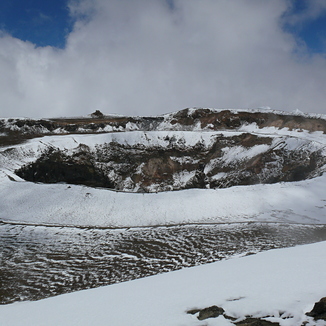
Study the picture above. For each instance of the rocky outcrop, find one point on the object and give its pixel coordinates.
(319, 310)
(243, 159)
(318, 313)
(18, 130)
(215, 311)
(228, 119)
(210, 312)
(255, 322)
(55, 166)
(205, 313)
(227, 159)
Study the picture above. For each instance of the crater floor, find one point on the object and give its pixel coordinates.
(37, 261)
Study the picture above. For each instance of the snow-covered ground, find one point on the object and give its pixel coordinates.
(62, 204)
(283, 284)
(297, 202)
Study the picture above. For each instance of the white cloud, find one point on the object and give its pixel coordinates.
(144, 57)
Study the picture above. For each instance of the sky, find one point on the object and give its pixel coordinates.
(141, 57)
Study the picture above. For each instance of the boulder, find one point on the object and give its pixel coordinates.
(210, 312)
(319, 310)
(97, 114)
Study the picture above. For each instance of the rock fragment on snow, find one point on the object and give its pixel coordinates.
(319, 310)
(210, 312)
(255, 322)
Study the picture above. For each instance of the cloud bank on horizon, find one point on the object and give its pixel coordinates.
(152, 57)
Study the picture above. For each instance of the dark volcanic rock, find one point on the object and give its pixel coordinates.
(54, 166)
(319, 310)
(255, 322)
(227, 119)
(18, 130)
(160, 168)
(97, 114)
(210, 312)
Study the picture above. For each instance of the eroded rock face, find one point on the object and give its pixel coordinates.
(240, 158)
(55, 166)
(243, 159)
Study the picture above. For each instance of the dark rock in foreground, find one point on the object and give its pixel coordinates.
(210, 312)
(255, 322)
(318, 313)
(319, 310)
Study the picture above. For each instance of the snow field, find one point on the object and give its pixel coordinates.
(62, 204)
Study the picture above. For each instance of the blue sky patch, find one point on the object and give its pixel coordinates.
(40, 22)
(48, 23)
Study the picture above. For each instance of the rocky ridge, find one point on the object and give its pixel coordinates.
(192, 148)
